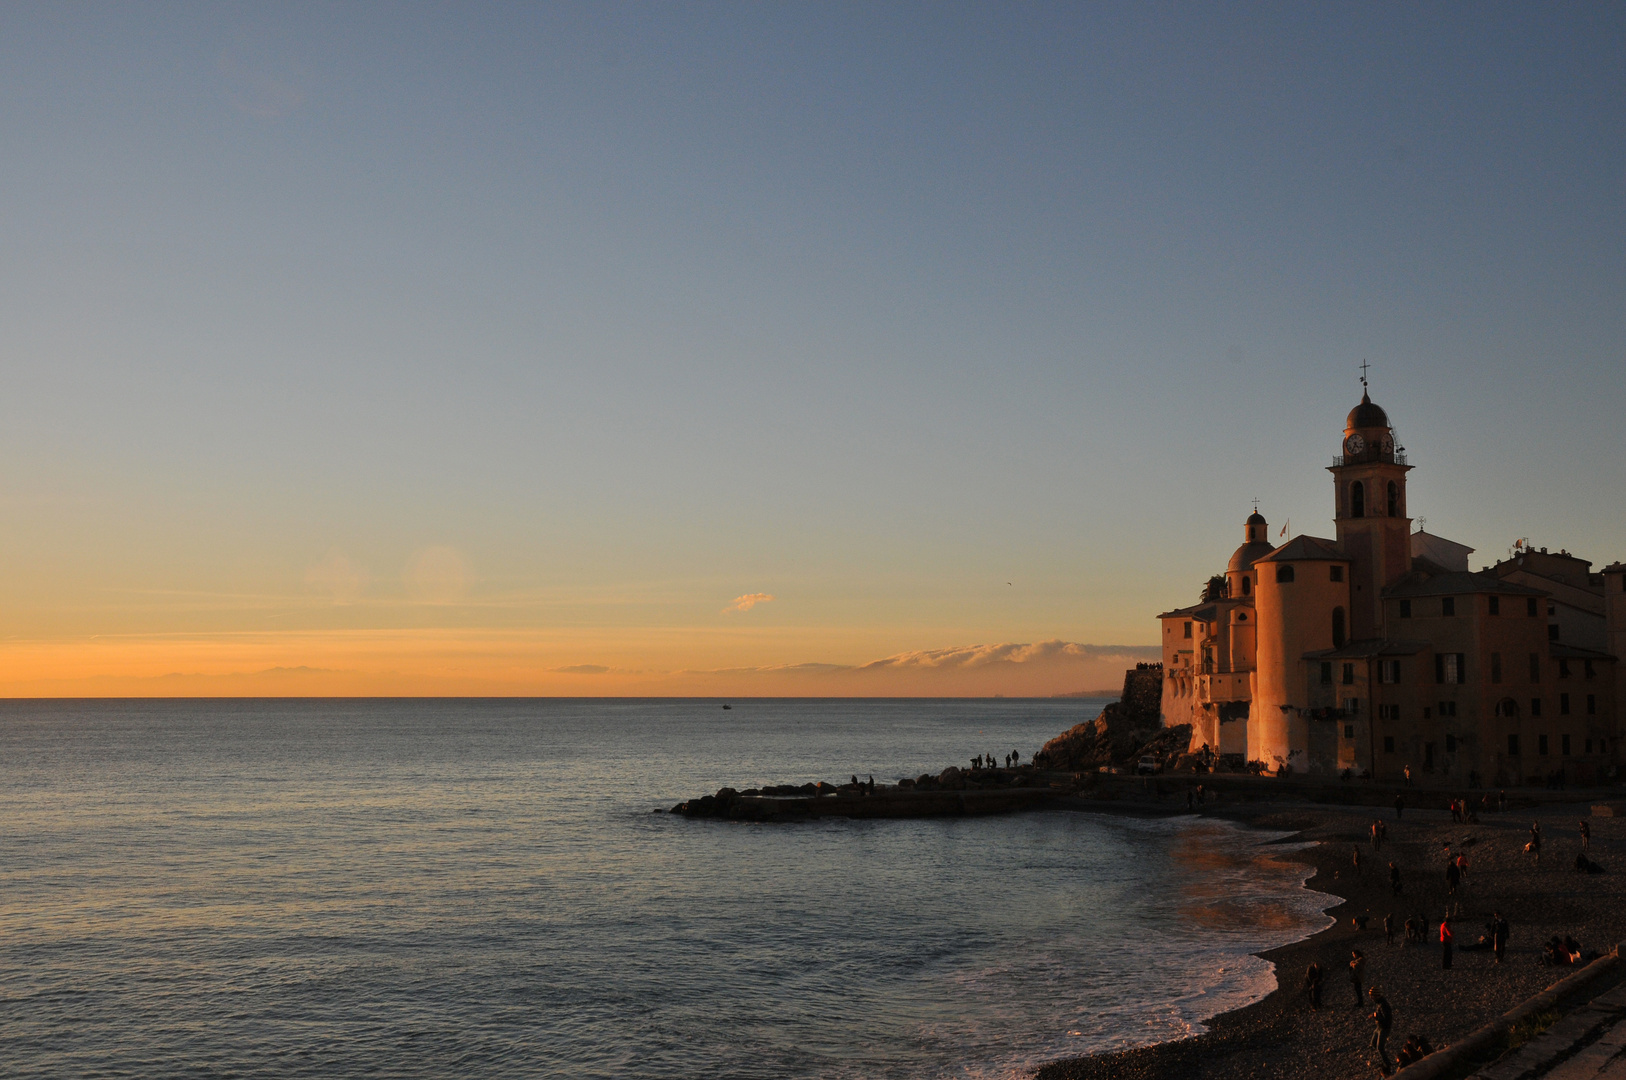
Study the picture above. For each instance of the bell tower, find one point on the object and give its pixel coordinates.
(1369, 482)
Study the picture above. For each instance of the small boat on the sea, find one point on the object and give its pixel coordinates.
(728, 706)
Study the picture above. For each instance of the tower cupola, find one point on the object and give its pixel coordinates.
(1239, 574)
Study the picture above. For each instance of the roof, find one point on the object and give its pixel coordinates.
(1180, 612)
(1366, 415)
(1368, 648)
(1455, 583)
(1558, 650)
(1256, 518)
(1614, 568)
(1306, 548)
(1245, 556)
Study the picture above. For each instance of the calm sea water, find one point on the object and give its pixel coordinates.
(479, 888)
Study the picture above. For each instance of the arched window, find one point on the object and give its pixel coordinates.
(1394, 500)
(1247, 585)
(1357, 499)
(1338, 628)
(1284, 573)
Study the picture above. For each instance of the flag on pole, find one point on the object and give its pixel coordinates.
(1285, 524)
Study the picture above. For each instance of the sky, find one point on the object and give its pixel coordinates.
(765, 348)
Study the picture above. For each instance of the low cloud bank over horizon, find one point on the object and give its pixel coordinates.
(1010, 669)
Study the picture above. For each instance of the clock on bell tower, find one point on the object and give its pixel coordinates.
(1369, 482)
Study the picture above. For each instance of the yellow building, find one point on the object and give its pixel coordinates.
(1379, 650)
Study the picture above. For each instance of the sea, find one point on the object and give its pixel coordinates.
(494, 888)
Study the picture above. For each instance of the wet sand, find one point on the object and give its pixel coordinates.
(1281, 1036)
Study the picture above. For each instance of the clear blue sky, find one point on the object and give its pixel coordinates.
(615, 313)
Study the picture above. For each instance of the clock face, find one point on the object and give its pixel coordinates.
(1388, 445)
(1354, 445)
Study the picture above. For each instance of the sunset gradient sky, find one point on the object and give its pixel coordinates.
(764, 348)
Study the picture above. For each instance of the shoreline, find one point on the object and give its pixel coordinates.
(1279, 1035)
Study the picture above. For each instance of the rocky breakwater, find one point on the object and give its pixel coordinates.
(950, 793)
(1127, 731)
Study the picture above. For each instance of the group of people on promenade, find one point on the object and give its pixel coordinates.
(1559, 950)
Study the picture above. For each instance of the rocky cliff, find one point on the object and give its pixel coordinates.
(1125, 730)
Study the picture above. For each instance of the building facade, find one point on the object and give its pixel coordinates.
(1379, 650)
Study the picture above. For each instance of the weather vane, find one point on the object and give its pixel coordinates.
(1364, 366)
(1256, 506)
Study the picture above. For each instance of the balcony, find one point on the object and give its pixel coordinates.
(1398, 458)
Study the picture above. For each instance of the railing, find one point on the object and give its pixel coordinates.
(1397, 457)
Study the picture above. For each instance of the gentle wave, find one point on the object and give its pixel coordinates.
(419, 889)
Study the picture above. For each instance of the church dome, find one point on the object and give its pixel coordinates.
(1248, 554)
(1366, 415)
(1256, 518)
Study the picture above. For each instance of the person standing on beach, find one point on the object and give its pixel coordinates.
(1400, 807)
(1394, 879)
(1586, 835)
(1383, 1018)
(1389, 928)
(1453, 878)
(1357, 973)
(1357, 862)
(1534, 846)
(1312, 984)
(1445, 942)
(1499, 932)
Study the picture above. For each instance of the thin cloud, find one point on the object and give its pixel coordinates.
(581, 669)
(748, 601)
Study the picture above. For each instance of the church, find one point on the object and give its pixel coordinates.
(1379, 652)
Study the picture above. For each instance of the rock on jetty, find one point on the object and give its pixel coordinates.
(950, 793)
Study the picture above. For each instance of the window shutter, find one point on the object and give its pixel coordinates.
(1439, 667)
(1462, 667)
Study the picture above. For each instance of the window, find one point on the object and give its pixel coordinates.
(1530, 607)
(1394, 500)
(1535, 706)
(1541, 745)
(1513, 745)
(1552, 632)
(1284, 573)
(1349, 731)
(1388, 744)
(1535, 667)
(1450, 744)
(1450, 668)
(1448, 708)
(1405, 609)
(1352, 706)
(1496, 605)
(1338, 628)
(1496, 667)
(1563, 669)
(1592, 704)
(1349, 674)
(1588, 670)
(1188, 629)
(1247, 585)
(1357, 499)
(1589, 746)
(1564, 745)
(1326, 673)
(1389, 671)
(1427, 712)
(1448, 605)
(1563, 704)
(1336, 573)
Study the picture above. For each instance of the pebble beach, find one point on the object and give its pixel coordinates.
(1282, 1036)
